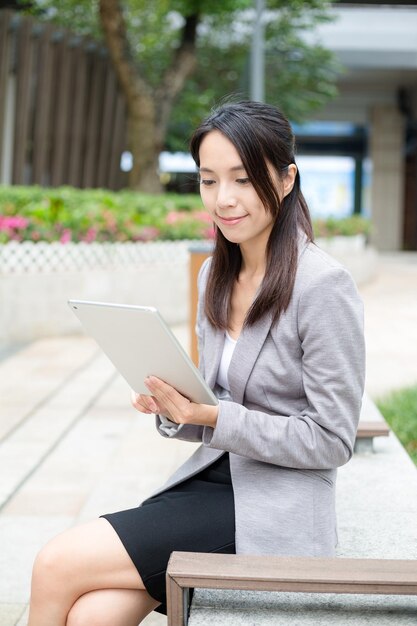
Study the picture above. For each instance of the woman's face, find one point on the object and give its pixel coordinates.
(229, 196)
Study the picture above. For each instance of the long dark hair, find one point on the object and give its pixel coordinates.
(261, 135)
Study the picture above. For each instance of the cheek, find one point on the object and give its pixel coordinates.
(208, 199)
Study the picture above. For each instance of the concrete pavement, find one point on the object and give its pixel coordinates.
(71, 447)
(391, 324)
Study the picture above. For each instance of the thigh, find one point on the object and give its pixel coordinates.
(93, 557)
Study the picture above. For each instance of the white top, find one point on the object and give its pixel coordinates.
(228, 349)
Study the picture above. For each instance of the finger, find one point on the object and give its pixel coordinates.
(149, 403)
(168, 397)
(163, 393)
(136, 400)
(145, 404)
(161, 388)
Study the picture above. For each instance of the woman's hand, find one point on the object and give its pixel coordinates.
(167, 401)
(144, 404)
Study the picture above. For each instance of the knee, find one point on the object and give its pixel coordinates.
(49, 568)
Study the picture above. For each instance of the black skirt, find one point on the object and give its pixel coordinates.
(197, 515)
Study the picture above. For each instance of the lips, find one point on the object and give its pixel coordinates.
(231, 221)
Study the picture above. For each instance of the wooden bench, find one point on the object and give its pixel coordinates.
(366, 432)
(259, 573)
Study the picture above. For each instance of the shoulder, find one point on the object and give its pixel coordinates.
(325, 295)
(318, 269)
(313, 260)
(324, 289)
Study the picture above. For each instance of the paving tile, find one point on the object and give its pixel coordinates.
(379, 535)
(20, 539)
(11, 416)
(365, 483)
(10, 614)
(232, 608)
(25, 448)
(64, 481)
(50, 502)
(154, 619)
(116, 396)
(24, 619)
(391, 324)
(30, 376)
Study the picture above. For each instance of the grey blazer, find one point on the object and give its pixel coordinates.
(296, 390)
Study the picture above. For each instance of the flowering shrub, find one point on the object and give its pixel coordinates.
(346, 227)
(12, 225)
(67, 215)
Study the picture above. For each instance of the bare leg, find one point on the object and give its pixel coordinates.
(111, 607)
(85, 558)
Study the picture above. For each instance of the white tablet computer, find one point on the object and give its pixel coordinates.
(139, 344)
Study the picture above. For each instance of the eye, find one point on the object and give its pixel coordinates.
(243, 181)
(207, 182)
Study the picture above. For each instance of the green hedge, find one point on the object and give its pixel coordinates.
(400, 411)
(67, 214)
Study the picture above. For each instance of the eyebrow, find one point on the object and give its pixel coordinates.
(236, 168)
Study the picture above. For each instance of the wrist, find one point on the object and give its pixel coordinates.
(207, 415)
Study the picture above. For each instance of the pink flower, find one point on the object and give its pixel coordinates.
(13, 221)
(90, 235)
(174, 217)
(209, 233)
(110, 221)
(147, 233)
(66, 236)
(203, 216)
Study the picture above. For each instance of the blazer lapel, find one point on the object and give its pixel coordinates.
(246, 352)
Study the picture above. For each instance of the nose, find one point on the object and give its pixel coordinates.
(225, 197)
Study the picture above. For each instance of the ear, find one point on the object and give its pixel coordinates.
(289, 179)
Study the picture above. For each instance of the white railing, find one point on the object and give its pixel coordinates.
(33, 258)
(37, 279)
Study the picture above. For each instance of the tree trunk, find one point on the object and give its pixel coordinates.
(144, 146)
(148, 110)
(139, 98)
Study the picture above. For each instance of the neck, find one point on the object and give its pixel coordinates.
(253, 260)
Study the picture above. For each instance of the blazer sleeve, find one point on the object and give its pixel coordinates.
(190, 432)
(322, 434)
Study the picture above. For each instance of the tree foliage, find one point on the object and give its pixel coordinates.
(300, 73)
(300, 76)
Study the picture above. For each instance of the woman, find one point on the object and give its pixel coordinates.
(281, 343)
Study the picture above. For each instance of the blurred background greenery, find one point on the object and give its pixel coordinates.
(98, 215)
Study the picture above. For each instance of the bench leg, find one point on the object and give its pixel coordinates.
(365, 444)
(177, 603)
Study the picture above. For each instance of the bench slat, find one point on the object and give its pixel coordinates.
(372, 429)
(259, 573)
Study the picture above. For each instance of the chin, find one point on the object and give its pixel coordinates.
(232, 239)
